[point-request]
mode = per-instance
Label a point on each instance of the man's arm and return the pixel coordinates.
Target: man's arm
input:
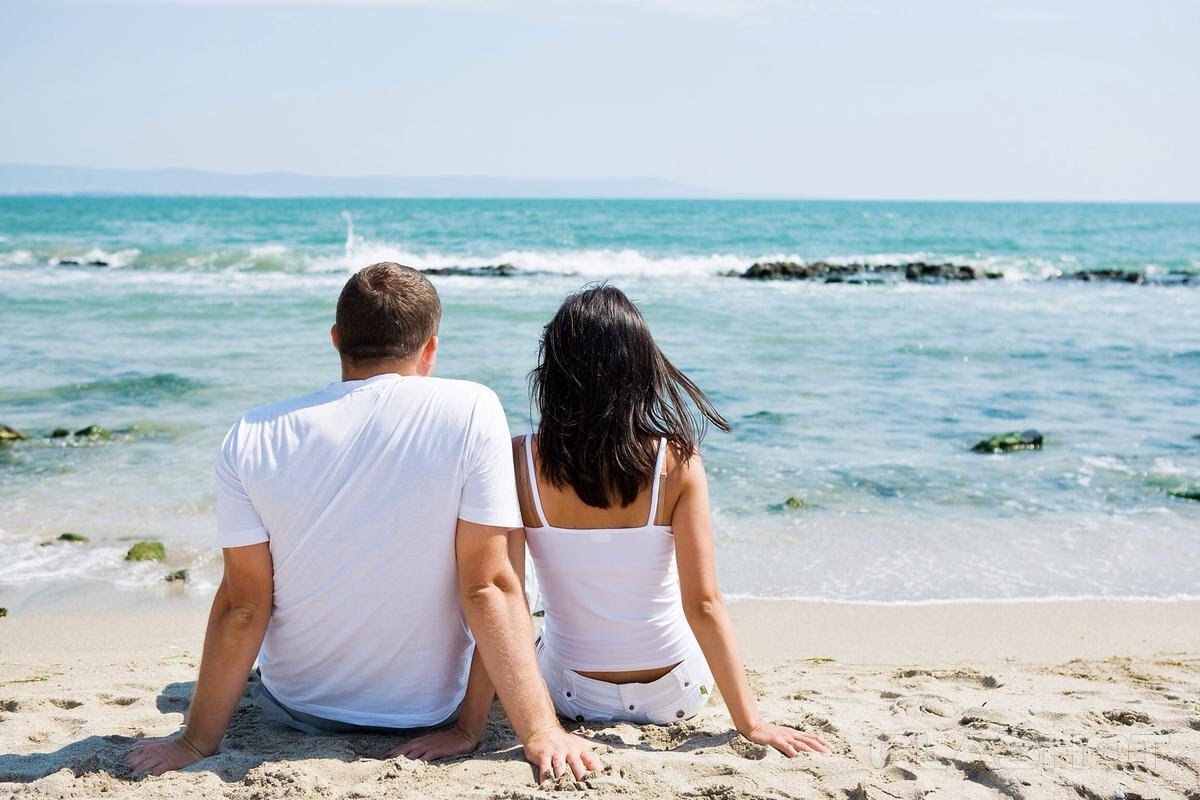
(236, 626)
(467, 731)
(493, 602)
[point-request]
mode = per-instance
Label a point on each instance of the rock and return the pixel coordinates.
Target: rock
(59, 433)
(72, 537)
(3, 612)
(94, 432)
(487, 271)
(67, 262)
(1006, 442)
(146, 551)
(8, 434)
(796, 502)
(97, 262)
(1185, 494)
(856, 273)
(1108, 275)
(177, 575)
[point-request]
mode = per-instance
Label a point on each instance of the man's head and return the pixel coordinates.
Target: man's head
(387, 321)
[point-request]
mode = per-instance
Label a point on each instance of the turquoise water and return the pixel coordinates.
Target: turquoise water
(863, 400)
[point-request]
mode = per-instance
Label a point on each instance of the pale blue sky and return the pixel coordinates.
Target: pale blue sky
(1029, 99)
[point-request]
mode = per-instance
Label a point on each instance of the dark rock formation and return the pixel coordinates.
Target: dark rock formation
(59, 433)
(488, 271)
(1185, 494)
(1006, 442)
(72, 537)
(918, 271)
(179, 575)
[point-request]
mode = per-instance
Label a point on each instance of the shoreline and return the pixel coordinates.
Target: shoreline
(986, 700)
(1035, 630)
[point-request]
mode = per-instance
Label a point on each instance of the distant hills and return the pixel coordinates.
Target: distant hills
(48, 179)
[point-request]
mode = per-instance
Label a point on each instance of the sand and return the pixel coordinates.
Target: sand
(1073, 700)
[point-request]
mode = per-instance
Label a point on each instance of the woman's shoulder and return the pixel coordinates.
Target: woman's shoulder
(678, 464)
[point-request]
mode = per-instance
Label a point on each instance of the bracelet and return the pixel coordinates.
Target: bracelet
(183, 737)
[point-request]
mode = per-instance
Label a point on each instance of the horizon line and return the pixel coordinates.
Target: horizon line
(682, 191)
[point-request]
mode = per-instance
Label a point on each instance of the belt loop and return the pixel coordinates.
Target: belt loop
(683, 674)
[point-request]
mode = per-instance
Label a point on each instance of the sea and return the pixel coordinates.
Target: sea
(163, 319)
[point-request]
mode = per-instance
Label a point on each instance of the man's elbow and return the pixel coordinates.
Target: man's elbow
(487, 592)
(247, 615)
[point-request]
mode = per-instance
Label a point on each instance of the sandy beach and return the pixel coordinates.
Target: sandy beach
(1092, 699)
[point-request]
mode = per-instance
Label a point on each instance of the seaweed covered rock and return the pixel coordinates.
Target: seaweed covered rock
(93, 432)
(147, 551)
(1185, 493)
(1007, 442)
(8, 434)
(72, 537)
(795, 502)
(178, 576)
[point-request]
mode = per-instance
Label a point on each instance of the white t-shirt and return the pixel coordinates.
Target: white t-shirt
(358, 488)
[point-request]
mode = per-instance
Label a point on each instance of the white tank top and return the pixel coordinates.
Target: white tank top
(611, 595)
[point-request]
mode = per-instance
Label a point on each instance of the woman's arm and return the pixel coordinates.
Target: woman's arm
(464, 736)
(705, 611)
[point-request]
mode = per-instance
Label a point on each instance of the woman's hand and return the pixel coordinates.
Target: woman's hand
(453, 741)
(156, 756)
(788, 741)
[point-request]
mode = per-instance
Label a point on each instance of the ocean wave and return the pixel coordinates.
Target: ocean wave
(128, 388)
(275, 257)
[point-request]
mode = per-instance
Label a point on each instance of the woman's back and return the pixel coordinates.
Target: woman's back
(608, 577)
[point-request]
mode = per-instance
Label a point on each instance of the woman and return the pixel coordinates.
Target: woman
(616, 512)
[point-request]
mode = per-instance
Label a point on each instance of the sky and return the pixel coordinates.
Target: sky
(873, 99)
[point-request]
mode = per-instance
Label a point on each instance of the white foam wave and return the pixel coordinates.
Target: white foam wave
(589, 263)
(15, 258)
(598, 262)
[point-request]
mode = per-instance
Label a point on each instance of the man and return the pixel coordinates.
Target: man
(360, 525)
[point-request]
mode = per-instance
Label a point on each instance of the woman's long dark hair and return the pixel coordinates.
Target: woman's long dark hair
(606, 395)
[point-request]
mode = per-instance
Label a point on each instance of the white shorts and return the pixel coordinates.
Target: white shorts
(679, 694)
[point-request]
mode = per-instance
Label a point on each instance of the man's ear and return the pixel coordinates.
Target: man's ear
(335, 338)
(427, 359)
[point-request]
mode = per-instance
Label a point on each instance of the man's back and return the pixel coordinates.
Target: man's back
(358, 489)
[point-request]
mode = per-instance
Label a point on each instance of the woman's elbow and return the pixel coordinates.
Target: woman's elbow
(704, 610)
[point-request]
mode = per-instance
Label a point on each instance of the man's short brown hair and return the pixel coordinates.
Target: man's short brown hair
(386, 312)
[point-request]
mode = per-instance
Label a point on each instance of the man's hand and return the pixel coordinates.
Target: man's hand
(446, 743)
(788, 741)
(554, 753)
(156, 756)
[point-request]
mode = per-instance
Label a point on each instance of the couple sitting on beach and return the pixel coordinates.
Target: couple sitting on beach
(374, 538)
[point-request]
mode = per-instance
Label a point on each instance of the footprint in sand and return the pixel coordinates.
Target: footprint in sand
(748, 749)
(1127, 716)
(66, 704)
